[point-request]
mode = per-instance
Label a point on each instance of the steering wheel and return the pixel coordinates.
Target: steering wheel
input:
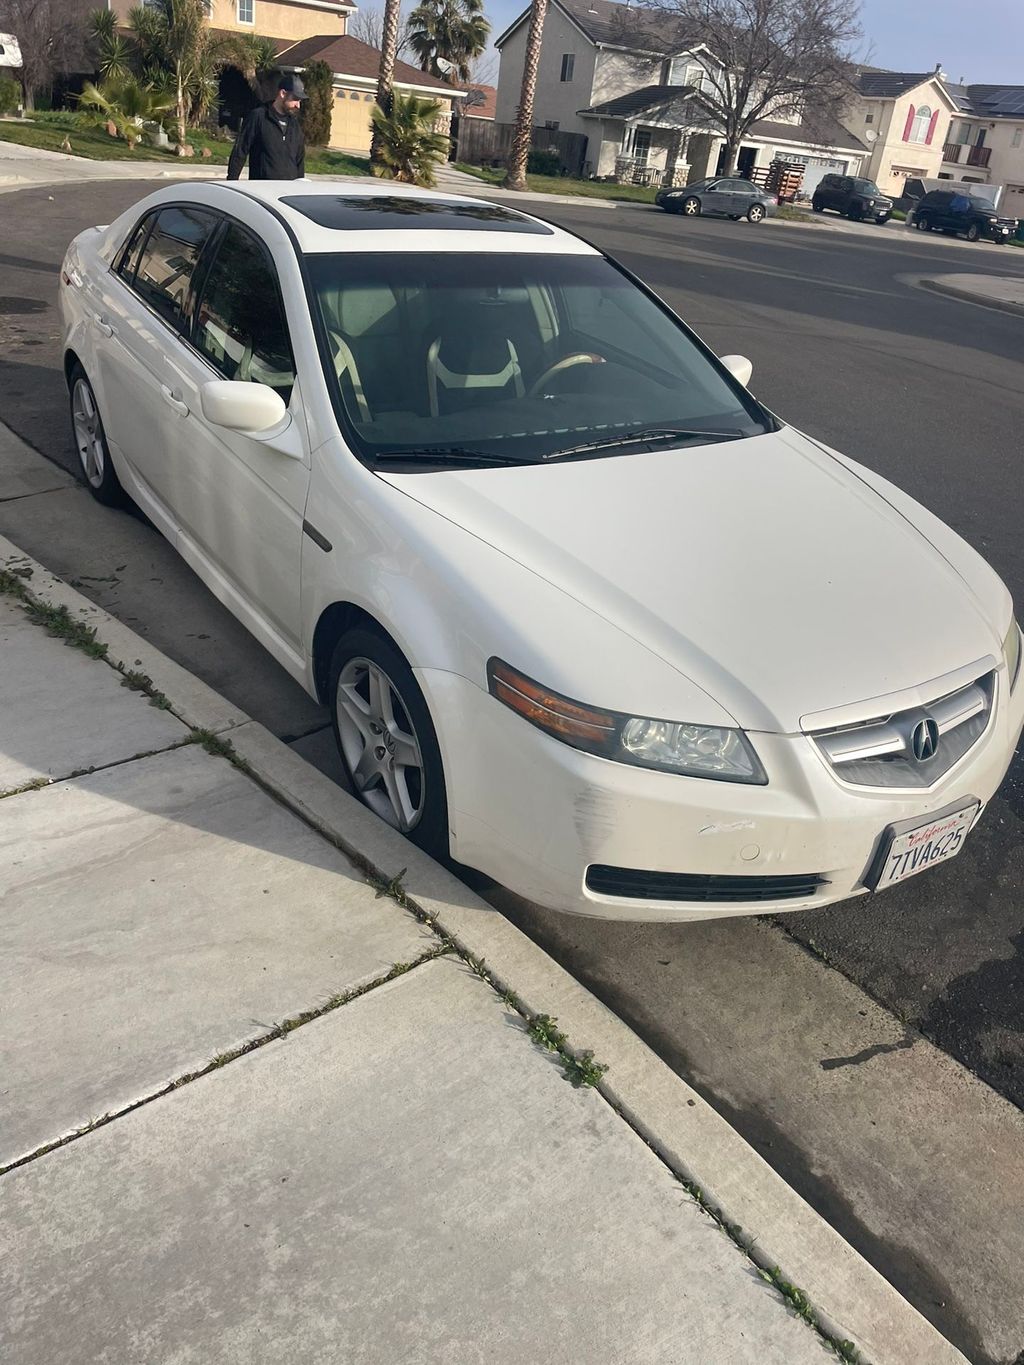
(567, 361)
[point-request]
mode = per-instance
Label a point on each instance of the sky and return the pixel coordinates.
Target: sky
(982, 41)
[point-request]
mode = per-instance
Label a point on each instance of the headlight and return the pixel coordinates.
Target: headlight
(669, 746)
(869, 203)
(1011, 652)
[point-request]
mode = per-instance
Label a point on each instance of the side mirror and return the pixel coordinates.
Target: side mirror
(241, 406)
(739, 367)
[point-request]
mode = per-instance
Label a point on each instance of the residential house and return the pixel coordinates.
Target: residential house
(355, 66)
(630, 80)
(904, 118)
(481, 102)
(985, 143)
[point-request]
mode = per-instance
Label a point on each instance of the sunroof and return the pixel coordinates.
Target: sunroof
(379, 213)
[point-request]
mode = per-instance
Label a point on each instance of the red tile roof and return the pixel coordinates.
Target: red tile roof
(349, 57)
(486, 108)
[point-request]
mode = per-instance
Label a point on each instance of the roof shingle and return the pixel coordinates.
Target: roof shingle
(349, 57)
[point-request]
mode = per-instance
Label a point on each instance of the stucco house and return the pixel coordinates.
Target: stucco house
(630, 81)
(904, 117)
(985, 142)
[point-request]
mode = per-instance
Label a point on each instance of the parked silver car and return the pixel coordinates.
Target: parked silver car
(728, 196)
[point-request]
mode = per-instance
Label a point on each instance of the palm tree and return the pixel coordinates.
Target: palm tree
(409, 148)
(112, 50)
(127, 104)
(447, 36)
(254, 56)
(173, 35)
(390, 25)
(515, 178)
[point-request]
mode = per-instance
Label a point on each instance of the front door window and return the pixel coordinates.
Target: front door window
(642, 145)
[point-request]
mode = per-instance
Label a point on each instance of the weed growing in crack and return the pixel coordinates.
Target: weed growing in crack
(578, 1067)
(59, 622)
(141, 682)
(392, 888)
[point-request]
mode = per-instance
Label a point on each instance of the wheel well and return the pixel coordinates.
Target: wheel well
(334, 621)
(70, 361)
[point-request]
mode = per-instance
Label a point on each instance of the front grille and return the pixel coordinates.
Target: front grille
(880, 752)
(633, 884)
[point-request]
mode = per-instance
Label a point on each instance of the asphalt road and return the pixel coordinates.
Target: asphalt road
(927, 390)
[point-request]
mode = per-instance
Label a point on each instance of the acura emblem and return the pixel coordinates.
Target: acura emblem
(924, 739)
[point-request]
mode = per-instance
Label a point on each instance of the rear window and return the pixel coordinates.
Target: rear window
(379, 213)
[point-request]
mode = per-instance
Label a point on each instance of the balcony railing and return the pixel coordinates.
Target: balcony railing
(978, 156)
(951, 151)
(975, 156)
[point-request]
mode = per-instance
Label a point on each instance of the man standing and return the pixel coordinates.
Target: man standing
(271, 137)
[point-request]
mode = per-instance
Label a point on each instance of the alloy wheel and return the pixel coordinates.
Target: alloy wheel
(380, 744)
(691, 207)
(88, 433)
(755, 213)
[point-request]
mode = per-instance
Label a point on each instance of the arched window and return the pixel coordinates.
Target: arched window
(921, 124)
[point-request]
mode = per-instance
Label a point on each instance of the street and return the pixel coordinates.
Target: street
(857, 1048)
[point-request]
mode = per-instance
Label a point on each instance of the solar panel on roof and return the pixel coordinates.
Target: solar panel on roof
(382, 212)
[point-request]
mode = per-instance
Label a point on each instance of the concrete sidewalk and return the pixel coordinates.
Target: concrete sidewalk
(1005, 292)
(264, 1100)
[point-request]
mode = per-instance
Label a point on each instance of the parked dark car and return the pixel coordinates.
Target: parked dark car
(948, 211)
(852, 197)
(726, 195)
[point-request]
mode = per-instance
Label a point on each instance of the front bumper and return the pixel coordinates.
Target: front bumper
(535, 814)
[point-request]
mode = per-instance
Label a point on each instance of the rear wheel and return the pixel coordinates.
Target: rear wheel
(691, 206)
(973, 232)
(817, 206)
(91, 442)
(386, 738)
(923, 223)
(755, 213)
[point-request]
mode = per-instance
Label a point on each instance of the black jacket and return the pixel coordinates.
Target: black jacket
(272, 155)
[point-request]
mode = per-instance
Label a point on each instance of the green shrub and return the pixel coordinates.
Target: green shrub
(10, 95)
(319, 106)
(57, 118)
(543, 161)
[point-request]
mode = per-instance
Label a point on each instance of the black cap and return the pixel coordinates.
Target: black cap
(292, 85)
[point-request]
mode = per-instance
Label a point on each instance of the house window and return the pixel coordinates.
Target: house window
(869, 118)
(246, 11)
(551, 125)
(1015, 141)
(568, 62)
(642, 145)
(919, 124)
(685, 71)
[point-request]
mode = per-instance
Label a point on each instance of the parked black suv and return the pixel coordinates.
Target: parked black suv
(950, 211)
(852, 197)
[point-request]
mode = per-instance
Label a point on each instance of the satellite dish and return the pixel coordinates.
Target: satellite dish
(870, 135)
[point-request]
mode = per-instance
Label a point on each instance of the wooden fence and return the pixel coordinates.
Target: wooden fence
(480, 142)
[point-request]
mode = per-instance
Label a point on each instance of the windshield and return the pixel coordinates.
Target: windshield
(511, 357)
(866, 187)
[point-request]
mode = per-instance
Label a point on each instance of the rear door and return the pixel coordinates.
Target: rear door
(143, 315)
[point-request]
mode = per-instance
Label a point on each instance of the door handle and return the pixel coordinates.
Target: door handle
(103, 326)
(173, 400)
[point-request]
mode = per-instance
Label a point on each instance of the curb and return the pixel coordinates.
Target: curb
(851, 1301)
(952, 291)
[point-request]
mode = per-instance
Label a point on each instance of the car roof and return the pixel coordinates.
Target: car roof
(382, 216)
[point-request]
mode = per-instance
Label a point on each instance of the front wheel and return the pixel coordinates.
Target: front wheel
(973, 232)
(386, 738)
(691, 207)
(755, 213)
(817, 206)
(882, 219)
(923, 223)
(91, 443)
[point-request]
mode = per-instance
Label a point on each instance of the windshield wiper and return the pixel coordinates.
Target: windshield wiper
(647, 434)
(445, 455)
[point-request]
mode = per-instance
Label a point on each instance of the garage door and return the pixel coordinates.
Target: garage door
(350, 126)
(816, 167)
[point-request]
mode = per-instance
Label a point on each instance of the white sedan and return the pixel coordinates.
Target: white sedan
(588, 617)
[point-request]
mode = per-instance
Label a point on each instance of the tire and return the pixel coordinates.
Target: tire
(91, 442)
(882, 220)
(755, 213)
(377, 722)
(923, 223)
(817, 206)
(973, 232)
(691, 207)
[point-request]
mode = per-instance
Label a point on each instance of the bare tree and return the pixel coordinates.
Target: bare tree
(764, 59)
(367, 25)
(51, 36)
(485, 69)
(515, 177)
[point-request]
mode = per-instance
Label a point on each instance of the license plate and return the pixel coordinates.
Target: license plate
(913, 849)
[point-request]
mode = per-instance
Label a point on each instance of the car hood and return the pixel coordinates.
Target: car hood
(763, 569)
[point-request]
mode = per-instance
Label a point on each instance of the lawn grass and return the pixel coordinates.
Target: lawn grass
(557, 184)
(95, 145)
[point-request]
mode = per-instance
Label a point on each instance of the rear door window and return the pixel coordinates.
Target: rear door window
(169, 259)
(132, 250)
